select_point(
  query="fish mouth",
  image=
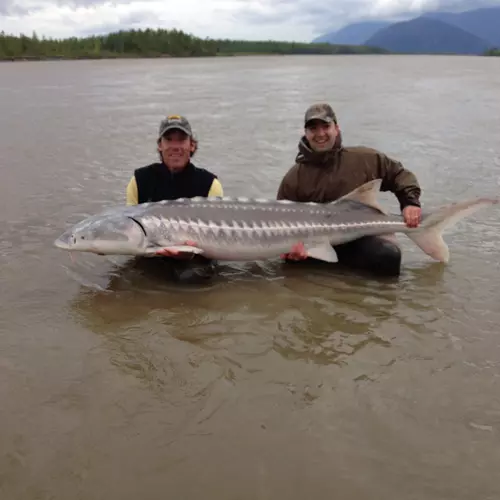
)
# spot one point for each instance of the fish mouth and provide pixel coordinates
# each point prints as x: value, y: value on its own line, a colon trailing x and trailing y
x: 64, y: 241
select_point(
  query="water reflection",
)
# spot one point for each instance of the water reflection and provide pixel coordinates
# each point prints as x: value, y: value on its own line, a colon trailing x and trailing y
x: 254, y: 319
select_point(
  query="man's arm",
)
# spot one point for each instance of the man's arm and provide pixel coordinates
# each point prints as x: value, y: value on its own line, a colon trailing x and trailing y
x: 288, y: 187
x: 400, y: 181
x: 131, y: 193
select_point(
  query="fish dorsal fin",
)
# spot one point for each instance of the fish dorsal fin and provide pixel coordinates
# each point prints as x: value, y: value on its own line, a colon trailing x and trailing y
x: 367, y: 194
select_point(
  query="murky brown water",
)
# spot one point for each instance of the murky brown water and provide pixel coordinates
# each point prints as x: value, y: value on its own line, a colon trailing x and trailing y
x: 273, y: 382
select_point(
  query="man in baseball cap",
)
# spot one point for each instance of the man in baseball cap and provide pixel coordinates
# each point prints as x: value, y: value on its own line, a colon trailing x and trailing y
x: 325, y: 170
x: 175, y: 176
x: 174, y: 122
x: 322, y: 112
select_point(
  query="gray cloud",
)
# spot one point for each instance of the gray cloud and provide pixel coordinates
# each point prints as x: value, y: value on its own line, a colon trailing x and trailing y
x: 11, y: 8
x: 141, y: 19
x: 314, y: 18
x: 330, y: 17
x: 28, y: 7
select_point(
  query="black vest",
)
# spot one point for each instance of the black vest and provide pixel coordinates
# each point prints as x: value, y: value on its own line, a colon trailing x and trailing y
x: 155, y: 182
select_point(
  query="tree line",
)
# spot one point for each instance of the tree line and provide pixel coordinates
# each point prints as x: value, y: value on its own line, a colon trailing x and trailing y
x: 493, y: 52
x: 155, y: 43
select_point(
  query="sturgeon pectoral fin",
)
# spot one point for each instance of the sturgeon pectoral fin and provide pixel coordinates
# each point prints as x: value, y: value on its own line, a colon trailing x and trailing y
x: 152, y: 251
x: 183, y: 249
x: 323, y: 252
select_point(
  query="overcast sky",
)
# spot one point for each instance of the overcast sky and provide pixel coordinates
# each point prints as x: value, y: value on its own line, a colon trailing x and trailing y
x: 299, y: 20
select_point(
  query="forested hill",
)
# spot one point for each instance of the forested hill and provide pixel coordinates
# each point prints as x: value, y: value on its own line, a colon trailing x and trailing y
x: 156, y: 43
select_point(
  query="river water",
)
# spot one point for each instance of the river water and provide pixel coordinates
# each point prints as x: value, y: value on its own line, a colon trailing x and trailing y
x: 272, y: 382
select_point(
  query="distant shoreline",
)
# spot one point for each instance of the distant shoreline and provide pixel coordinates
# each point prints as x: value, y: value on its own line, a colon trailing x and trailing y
x: 166, y: 44
x: 29, y: 58
x: 166, y: 56
x: 139, y: 44
x: 38, y: 58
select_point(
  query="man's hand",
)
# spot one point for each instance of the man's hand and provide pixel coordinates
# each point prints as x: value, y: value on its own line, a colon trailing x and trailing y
x: 176, y: 254
x: 412, y: 215
x: 298, y: 253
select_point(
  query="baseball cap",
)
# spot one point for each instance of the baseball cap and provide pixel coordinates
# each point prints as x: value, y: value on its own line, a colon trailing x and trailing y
x: 321, y: 111
x: 177, y: 122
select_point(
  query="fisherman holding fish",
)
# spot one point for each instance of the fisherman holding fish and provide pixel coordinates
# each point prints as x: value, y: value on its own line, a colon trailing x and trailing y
x: 246, y: 229
x: 175, y: 176
x: 325, y: 170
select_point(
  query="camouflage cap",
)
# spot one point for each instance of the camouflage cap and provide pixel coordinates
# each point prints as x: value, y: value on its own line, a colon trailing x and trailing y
x: 321, y: 111
x: 176, y: 122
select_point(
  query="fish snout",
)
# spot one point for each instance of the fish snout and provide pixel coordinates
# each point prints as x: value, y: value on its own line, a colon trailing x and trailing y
x: 65, y: 241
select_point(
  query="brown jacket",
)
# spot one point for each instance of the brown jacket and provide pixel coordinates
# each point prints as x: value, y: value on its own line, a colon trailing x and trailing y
x: 325, y: 176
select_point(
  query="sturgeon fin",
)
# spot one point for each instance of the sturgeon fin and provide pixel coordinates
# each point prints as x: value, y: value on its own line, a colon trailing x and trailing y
x: 366, y: 194
x: 324, y: 252
x: 429, y: 235
x: 184, y: 249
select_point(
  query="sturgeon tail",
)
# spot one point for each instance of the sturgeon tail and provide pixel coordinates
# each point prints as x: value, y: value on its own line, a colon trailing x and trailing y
x: 429, y: 235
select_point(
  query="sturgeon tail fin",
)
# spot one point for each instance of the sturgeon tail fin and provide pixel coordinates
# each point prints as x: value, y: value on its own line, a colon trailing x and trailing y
x: 429, y: 235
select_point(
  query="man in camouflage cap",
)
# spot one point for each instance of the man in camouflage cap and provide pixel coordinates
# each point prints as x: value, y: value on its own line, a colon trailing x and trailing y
x: 322, y: 112
x: 325, y: 170
x: 174, y: 176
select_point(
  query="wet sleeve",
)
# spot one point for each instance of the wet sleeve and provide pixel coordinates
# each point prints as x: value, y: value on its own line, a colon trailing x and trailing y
x: 288, y: 187
x: 216, y: 188
x: 132, y: 196
x: 400, y: 181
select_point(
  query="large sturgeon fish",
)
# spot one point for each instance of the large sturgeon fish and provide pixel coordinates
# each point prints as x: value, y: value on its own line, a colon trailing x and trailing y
x: 258, y: 229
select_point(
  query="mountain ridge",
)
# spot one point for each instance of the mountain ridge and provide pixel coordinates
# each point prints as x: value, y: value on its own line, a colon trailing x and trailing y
x: 429, y: 36
x: 353, y: 34
x: 467, y: 32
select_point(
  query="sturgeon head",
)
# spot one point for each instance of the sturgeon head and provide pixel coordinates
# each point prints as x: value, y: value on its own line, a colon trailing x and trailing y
x: 105, y: 235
